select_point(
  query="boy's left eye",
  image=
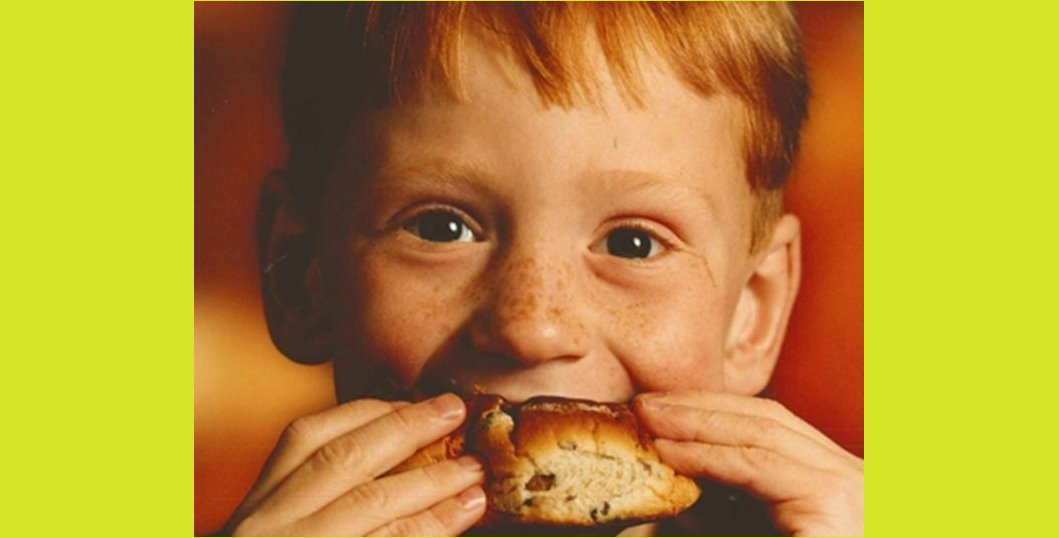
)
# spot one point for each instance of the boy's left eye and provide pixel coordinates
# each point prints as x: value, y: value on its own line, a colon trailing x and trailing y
x: 632, y: 243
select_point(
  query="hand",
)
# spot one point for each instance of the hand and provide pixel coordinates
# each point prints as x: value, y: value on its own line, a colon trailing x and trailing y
x: 326, y: 476
x: 813, y: 486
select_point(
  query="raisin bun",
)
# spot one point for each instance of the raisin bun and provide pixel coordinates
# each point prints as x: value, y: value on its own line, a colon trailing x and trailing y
x: 563, y: 462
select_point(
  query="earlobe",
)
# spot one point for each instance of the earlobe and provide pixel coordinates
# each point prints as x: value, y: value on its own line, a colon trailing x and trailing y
x: 759, y: 324
x: 298, y: 318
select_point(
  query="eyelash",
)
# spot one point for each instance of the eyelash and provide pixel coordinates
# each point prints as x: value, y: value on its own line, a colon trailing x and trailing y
x: 468, y: 223
x: 649, y: 230
x: 666, y: 244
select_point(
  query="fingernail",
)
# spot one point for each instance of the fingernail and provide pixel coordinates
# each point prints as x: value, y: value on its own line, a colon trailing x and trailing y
x: 472, y: 498
x: 448, y: 406
x: 470, y: 463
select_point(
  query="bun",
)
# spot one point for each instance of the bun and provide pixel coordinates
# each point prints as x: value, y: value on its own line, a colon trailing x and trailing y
x: 558, y: 461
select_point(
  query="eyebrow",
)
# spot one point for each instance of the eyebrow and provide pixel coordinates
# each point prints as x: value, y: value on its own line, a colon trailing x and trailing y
x: 619, y: 181
x: 442, y: 173
x: 447, y: 174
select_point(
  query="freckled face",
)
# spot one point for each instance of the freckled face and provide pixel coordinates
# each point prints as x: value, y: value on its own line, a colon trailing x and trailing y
x: 591, y: 252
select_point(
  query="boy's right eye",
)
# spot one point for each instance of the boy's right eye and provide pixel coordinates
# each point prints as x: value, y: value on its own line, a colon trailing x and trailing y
x: 440, y: 226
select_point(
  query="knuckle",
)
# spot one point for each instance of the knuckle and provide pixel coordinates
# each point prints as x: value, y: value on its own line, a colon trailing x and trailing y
x: 422, y: 525
x: 758, y: 457
x: 432, y: 524
x: 405, y: 419
x: 340, y: 455
x: 764, y: 429
x: 407, y: 528
x: 707, y: 421
x: 435, y: 475
x: 369, y: 497
x: 691, y: 423
x: 739, y: 469
x: 397, y: 528
x: 709, y: 418
x: 298, y: 431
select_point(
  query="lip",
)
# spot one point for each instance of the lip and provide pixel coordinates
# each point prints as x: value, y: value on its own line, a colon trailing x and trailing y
x: 514, y: 391
x: 435, y: 386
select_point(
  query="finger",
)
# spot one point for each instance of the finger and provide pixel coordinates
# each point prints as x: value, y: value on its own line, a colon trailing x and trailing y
x: 735, y: 403
x: 762, y: 472
x: 748, y: 405
x: 451, y: 517
x: 362, y: 455
x: 682, y: 423
x: 377, y: 503
x: 307, y: 434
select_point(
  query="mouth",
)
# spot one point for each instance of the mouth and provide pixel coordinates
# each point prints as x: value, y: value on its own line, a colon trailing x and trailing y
x: 428, y: 386
x: 515, y: 390
x: 515, y: 386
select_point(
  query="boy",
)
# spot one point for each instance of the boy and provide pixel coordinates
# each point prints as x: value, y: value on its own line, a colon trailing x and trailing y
x: 574, y: 200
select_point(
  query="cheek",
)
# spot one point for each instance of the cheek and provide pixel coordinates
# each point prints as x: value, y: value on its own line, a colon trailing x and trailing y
x: 398, y: 317
x: 675, y: 340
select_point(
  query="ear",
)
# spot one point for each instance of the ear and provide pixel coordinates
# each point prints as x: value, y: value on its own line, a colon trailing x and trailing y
x: 298, y: 319
x: 760, y: 321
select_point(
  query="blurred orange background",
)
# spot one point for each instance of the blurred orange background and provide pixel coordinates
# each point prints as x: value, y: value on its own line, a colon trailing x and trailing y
x: 246, y: 392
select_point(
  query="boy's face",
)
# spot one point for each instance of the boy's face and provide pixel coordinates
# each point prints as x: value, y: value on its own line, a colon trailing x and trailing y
x: 590, y: 252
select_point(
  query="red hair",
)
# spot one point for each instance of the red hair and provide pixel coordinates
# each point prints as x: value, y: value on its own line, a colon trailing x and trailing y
x: 389, y: 50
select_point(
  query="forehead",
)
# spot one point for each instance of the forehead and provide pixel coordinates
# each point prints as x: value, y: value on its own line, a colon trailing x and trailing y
x: 496, y: 125
x: 493, y: 92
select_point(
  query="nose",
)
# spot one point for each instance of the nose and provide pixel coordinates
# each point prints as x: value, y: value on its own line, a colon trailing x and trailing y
x: 531, y: 312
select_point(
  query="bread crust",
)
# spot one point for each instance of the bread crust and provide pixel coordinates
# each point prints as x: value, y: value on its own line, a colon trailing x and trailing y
x: 560, y: 461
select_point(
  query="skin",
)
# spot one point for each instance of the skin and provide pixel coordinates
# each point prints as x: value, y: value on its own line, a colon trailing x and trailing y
x: 531, y: 300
